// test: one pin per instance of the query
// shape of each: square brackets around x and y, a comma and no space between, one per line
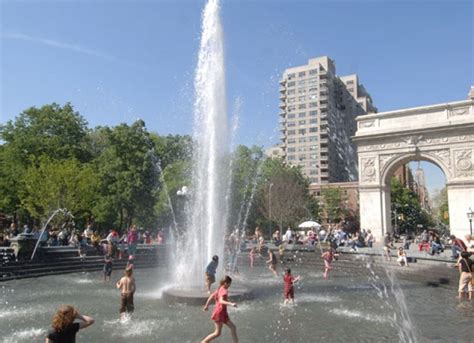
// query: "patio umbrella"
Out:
[309,224]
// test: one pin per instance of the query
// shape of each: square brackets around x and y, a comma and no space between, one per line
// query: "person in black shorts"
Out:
[108,264]
[64,327]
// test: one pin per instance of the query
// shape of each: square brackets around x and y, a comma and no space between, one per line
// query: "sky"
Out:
[117,61]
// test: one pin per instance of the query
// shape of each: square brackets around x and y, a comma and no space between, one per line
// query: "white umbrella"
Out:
[309,224]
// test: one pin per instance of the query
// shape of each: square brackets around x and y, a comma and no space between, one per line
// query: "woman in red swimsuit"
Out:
[219,315]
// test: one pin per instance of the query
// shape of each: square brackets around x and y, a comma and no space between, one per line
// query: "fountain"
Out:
[206,218]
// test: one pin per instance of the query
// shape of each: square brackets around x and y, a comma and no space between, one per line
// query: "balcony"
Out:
[282,105]
[282,97]
[323,141]
[282,89]
[282,120]
[324,150]
[323,123]
[282,128]
[283,82]
[324,175]
[323,106]
[282,113]
[283,138]
[323,158]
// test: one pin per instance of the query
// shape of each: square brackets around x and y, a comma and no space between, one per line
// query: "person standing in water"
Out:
[108,265]
[127,288]
[328,257]
[288,291]
[220,315]
[272,262]
[64,327]
[211,272]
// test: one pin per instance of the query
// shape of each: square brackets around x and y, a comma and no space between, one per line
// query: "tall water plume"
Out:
[205,227]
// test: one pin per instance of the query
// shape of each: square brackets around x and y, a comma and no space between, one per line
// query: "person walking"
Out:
[220,315]
[465,265]
[210,275]
[127,289]
[457,246]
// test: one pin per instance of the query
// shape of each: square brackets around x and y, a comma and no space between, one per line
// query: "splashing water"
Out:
[205,232]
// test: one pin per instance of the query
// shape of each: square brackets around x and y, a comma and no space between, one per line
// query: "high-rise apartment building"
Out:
[317,111]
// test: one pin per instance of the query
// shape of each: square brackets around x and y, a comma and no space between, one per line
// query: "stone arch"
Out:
[398,160]
[442,134]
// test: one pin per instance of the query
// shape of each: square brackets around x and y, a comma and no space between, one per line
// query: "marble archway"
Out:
[442,134]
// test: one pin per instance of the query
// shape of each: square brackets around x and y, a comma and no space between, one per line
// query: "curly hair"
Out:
[64,317]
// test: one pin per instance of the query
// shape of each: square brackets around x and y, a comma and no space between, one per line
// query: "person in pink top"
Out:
[220,315]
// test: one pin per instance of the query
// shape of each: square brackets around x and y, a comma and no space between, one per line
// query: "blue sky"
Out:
[121,60]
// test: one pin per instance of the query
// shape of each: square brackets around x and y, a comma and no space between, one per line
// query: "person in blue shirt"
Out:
[211,272]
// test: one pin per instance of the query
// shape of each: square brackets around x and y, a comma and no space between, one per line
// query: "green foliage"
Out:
[406,209]
[172,148]
[129,176]
[283,196]
[332,198]
[50,184]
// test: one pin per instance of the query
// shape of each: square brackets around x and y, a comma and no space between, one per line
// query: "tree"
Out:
[53,131]
[50,184]
[406,209]
[172,148]
[332,198]
[284,198]
[129,176]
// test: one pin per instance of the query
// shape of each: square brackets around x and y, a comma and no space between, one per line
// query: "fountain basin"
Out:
[198,297]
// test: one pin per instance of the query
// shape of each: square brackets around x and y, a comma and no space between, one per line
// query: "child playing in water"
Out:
[219,315]
[272,262]
[288,290]
[108,264]
[210,275]
[127,288]
[328,257]
[252,256]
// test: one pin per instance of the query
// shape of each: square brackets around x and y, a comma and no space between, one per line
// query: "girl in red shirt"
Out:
[219,315]
[288,290]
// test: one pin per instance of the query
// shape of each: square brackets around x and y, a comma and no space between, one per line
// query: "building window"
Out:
[350,82]
[301,83]
[302,122]
[313,165]
[291,123]
[313,129]
[313,172]
[291,141]
[291,115]
[302,140]
[291,84]
[313,97]
[313,81]
[313,138]
[291,108]
[350,89]
[311,90]
[313,71]
[302,98]
[313,121]
[291,100]
[301,73]
[313,148]
[301,106]
[290,76]
[301,114]
[313,104]
[302,157]
[301,149]
[291,132]
[302,131]
[291,157]
[313,157]
[302,90]
[291,149]
[313,113]
[318,193]
[291,91]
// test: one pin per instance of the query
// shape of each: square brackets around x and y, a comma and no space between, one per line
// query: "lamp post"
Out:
[270,207]
[470,215]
